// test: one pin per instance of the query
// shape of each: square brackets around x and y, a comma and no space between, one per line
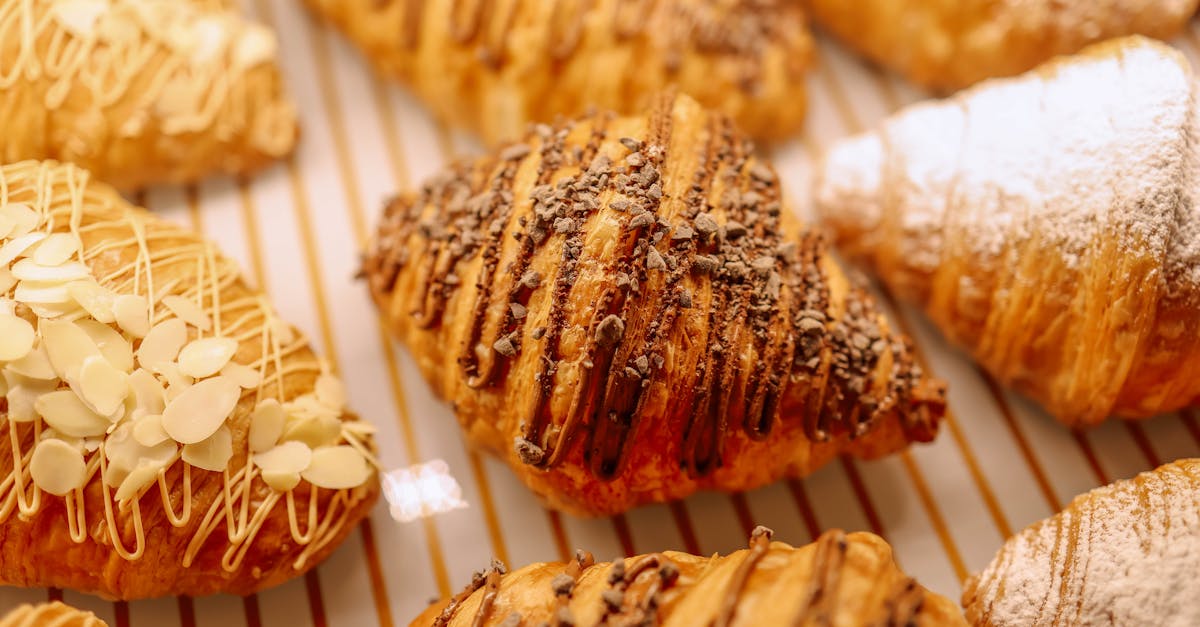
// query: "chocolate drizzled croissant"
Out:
[838,580]
[624,310]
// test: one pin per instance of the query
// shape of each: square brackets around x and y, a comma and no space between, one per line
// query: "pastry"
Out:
[1123,554]
[492,67]
[841,579]
[624,310]
[950,45]
[1047,223]
[140,91]
[164,432]
[54,614]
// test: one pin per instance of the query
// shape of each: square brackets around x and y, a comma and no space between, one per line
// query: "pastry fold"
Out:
[493,67]
[1123,554]
[950,44]
[624,309]
[1047,223]
[163,431]
[840,580]
[140,91]
[56,614]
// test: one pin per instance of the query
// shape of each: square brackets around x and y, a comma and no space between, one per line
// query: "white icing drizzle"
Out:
[129,462]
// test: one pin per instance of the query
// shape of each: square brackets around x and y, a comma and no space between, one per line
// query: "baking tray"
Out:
[297,230]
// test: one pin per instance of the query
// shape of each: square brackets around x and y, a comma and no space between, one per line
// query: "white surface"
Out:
[298,227]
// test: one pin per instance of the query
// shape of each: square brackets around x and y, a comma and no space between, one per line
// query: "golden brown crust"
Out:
[147,92]
[54,614]
[492,67]
[950,44]
[841,579]
[222,532]
[624,310]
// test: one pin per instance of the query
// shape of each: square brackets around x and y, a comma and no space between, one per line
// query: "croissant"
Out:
[1123,554]
[841,579]
[54,614]
[624,310]
[492,67]
[164,431]
[140,91]
[950,45]
[1047,223]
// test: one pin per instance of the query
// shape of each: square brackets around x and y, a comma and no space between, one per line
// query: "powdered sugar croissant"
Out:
[950,45]
[54,614]
[492,67]
[140,91]
[840,580]
[1123,554]
[163,431]
[1048,224]
[623,309]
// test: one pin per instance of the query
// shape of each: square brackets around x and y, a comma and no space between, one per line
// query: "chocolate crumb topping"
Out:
[610,330]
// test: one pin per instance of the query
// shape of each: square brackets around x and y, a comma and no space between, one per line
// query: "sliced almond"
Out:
[42,293]
[148,430]
[206,356]
[286,458]
[281,481]
[136,480]
[115,348]
[188,311]
[101,386]
[177,382]
[330,391]
[35,365]
[315,431]
[64,411]
[162,344]
[125,453]
[56,249]
[245,376]
[17,246]
[29,270]
[213,453]
[147,392]
[16,337]
[67,345]
[57,467]
[266,425]
[201,409]
[23,394]
[337,468]
[132,314]
[95,299]
[7,280]
[22,217]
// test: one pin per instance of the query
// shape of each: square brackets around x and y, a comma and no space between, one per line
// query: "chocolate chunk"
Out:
[505,346]
[734,230]
[669,572]
[619,205]
[705,224]
[682,232]
[531,279]
[518,310]
[618,571]
[642,219]
[685,299]
[643,364]
[564,225]
[610,330]
[562,584]
[514,152]
[631,143]
[539,333]
[655,192]
[528,452]
[635,159]
[763,265]
[654,260]
[706,264]
[614,599]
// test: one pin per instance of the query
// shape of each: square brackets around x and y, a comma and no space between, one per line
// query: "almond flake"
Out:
[35,365]
[245,376]
[23,394]
[289,457]
[282,331]
[56,249]
[101,386]
[201,409]
[17,246]
[177,382]
[266,425]
[125,454]
[29,270]
[39,293]
[206,356]
[67,345]
[57,467]
[115,348]
[7,280]
[147,392]
[148,430]
[94,298]
[16,337]
[337,468]
[64,411]
[162,344]
[132,314]
[330,391]
[213,453]
[315,431]
[281,481]
[141,477]
[188,311]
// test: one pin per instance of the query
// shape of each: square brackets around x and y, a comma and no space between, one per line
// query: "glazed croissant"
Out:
[950,45]
[840,579]
[1048,224]
[492,67]
[54,614]
[1123,554]
[164,432]
[140,91]
[624,310]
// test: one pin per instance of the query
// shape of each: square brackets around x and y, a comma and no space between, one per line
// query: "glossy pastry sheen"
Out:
[492,67]
[140,91]
[54,614]
[839,580]
[163,431]
[947,45]
[1048,223]
[1123,554]
[624,309]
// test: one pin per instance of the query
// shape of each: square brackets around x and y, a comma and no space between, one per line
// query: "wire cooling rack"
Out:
[297,229]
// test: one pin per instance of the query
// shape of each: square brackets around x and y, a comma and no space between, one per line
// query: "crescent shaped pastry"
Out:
[54,614]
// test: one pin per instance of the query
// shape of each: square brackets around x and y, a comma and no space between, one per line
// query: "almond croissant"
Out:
[842,580]
[163,431]
[492,67]
[1123,554]
[55,614]
[1048,223]
[950,45]
[624,310]
[140,91]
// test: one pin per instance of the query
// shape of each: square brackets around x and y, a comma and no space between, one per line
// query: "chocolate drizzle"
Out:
[760,543]
[820,599]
